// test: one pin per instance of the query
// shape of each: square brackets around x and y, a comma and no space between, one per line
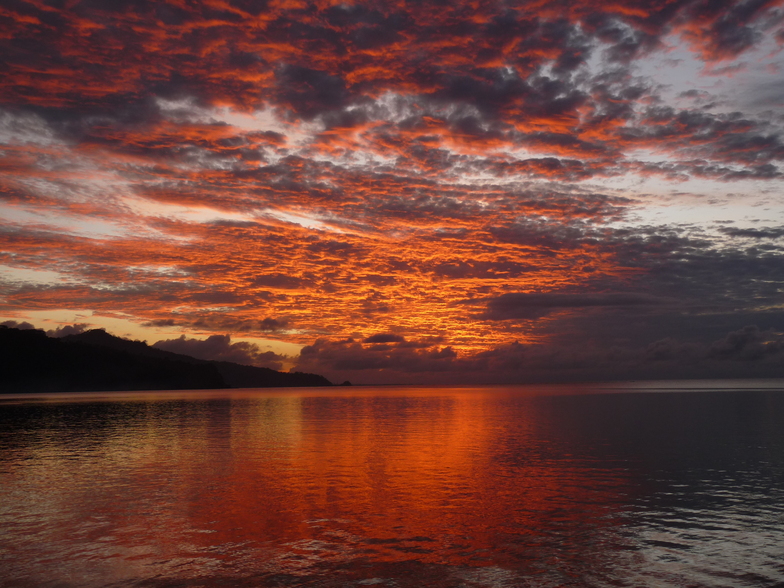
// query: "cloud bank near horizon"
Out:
[401,188]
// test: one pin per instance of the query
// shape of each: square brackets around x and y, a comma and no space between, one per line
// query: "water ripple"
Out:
[448,489]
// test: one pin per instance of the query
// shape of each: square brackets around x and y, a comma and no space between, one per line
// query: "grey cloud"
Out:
[334,248]
[350,355]
[160,323]
[766,171]
[732,32]
[699,272]
[74,329]
[220,348]
[281,281]
[385,338]
[669,349]
[566,169]
[23,326]
[487,89]
[563,140]
[749,344]
[270,324]
[459,269]
[517,305]
[769,93]
[767,233]
[310,92]
[623,40]
[217,297]
[727,138]
[745,353]
[547,236]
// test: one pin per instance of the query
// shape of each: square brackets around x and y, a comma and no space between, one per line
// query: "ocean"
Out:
[657,484]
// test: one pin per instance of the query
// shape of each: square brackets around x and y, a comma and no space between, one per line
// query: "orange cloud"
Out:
[352,169]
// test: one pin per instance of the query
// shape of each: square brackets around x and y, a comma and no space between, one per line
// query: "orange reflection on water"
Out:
[302,486]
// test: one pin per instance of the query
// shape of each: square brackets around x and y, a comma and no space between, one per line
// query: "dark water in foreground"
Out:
[537,487]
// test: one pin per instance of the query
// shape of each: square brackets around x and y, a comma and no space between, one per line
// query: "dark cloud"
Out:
[709,144]
[384,338]
[350,356]
[161,323]
[670,349]
[278,281]
[520,305]
[66,330]
[696,272]
[767,233]
[486,270]
[625,42]
[545,235]
[270,324]
[748,352]
[310,92]
[22,326]
[767,93]
[749,344]
[730,28]
[220,348]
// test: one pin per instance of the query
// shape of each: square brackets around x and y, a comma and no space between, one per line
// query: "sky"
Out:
[401,192]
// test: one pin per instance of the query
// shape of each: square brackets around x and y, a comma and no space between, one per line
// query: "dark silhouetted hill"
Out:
[247,376]
[32,362]
[97,361]
[235,375]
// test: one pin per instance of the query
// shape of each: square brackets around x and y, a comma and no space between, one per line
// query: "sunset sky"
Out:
[401,192]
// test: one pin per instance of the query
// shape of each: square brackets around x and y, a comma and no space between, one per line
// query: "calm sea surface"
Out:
[655,486]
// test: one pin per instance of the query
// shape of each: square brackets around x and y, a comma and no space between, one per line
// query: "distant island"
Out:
[30,361]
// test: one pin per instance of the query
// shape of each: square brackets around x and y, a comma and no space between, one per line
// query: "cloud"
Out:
[310,92]
[749,344]
[384,338]
[66,330]
[748,352]
[724,31]
[270,324]
[281,281]
[220,348]
[22,326]
[361,171]
[351,356]
[161,323]
[672,350]
[767,233]
[519,305]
